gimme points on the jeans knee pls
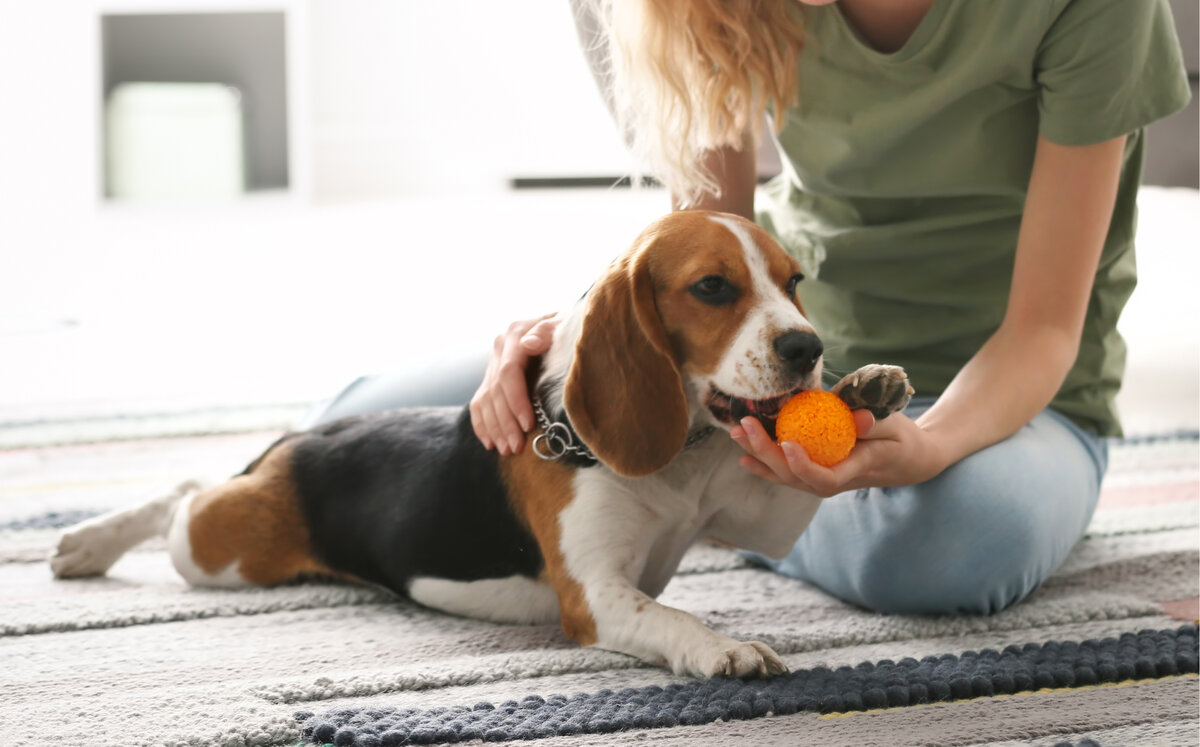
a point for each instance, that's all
(976, 539)
(966, 573)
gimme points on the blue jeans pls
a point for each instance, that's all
(975, 539)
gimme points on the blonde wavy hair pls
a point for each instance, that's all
(691, 76)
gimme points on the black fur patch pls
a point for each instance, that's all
(406, 493)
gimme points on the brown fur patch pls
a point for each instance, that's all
(540, 490)
(700, 334)
(643, 319)
(254, 520)
(781, 266)
(691, 246)
(635, 430)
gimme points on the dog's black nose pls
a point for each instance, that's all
(799, 350)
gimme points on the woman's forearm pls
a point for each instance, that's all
(1016, 374)
(1012, 378)
(736, 171)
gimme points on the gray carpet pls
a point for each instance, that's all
(137, 658)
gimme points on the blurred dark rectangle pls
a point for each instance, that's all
(1173, 148)
(591, 182)
(578, 182)
(246, 50)
(1173, 144)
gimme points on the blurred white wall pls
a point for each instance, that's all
(407, 120)
(389, 97)
(49, 126)
(424, 109)
(421, 97)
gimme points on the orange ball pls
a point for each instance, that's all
(820, 422)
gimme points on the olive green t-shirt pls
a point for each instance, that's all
(904, 176)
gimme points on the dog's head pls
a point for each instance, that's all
(697, 322)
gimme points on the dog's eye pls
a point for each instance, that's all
(714, 290)
(792, 282)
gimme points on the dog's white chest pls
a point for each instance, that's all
(660, 517)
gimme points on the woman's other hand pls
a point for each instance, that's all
(501, 413)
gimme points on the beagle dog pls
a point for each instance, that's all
(695, 326)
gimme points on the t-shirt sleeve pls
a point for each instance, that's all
(1106, 68)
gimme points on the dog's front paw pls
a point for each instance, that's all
(733, 659)
(880, 389)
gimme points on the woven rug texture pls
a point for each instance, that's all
(1104, 653)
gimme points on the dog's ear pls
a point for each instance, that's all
(624, 393)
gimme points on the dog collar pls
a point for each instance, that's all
(558, 439)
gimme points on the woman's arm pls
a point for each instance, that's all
(1019, 369)
(1017, 372)
(736, 171)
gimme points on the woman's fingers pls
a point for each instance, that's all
(537, 340)
(479, 424)
(757, 442)
(864, 421)
(514, 410)
(787, 464)
(501, 412)
(511, 436)
(817, 480)
(508, 397)
(480, 407)
(510, 403)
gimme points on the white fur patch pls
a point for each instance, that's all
(179, 546)
(622, 541)
(515, 599)
(558, 359)
(750, 367)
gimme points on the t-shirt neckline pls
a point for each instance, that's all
(915, 43)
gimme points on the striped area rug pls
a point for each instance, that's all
(1104, 653)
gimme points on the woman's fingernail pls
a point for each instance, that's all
(515, 444)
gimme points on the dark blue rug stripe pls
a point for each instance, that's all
(1144, 655)
(50, 520)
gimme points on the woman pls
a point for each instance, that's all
(959, 183)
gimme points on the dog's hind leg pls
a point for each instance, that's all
(91, 547)
(249, 531)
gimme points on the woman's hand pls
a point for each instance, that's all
(894, 451)
(500, 410)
